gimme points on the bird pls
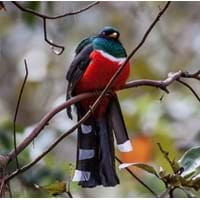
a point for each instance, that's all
(96, 59)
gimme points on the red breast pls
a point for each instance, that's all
(99, 72)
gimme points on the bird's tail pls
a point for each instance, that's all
(95, 154)
(95, 151)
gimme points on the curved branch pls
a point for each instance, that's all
(172, 77)
(53, 17)
(17, 109)
(43, 122)
(49, 42)
(190, 88)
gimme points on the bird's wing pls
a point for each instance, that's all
(83, 43)
(77, 69)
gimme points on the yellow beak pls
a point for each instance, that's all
(113, 35)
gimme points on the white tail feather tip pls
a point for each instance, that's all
(81, 176)
(125, 147)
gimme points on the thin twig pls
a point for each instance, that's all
(138, 179)
(166, 156)
(195, 75)
(191, 89)
(45, 17)
(49, 42)
(54, 17)
(69, 194)
(16, 111)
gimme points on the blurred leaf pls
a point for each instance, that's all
(53, 189)
(142, 152)
(190, 161)
(143, 166)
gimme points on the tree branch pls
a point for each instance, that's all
(138, 179)
(172, 77)
(50, 42)
(45, 17)
(16, 112)
(54, 17)
(190, 88)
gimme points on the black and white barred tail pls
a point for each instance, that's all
(95, 150)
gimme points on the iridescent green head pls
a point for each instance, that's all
(108, 41)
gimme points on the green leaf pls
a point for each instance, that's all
(190, 161)
(53, 189)
(143, 166)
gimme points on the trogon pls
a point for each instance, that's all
(96, 59)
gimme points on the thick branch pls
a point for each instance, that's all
(172, 77)
(44, 121)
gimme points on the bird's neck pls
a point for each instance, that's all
(111, 47)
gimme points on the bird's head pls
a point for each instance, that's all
(109, 32)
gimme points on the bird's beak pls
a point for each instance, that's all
(113, 35)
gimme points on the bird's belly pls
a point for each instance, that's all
(100, 71)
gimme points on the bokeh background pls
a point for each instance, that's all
(174, 44)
